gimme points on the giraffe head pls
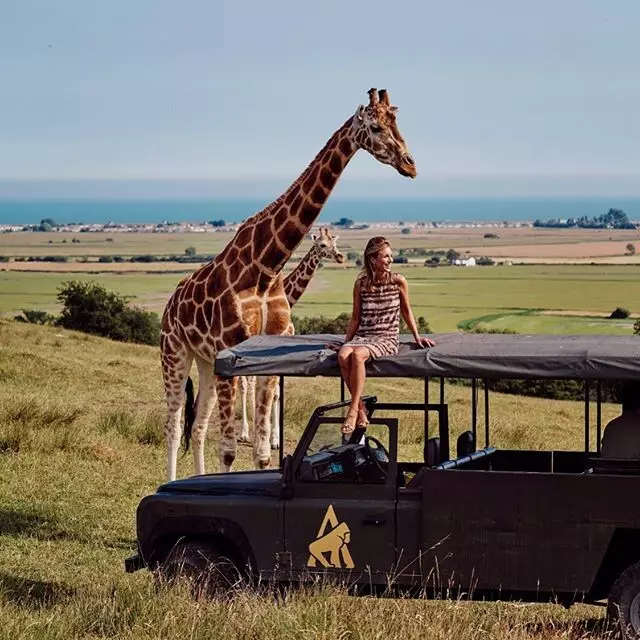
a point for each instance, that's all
(326, 246)
(376, 131)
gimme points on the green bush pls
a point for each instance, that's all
(34, 316)
(89, 307)
(339, 324)
(321, 324)
(619, 313)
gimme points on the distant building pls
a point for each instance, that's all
(465, 262)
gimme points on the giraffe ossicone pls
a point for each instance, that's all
(241, 293)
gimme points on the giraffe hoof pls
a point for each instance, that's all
(244, 439)
(263, 464)
(275, 446)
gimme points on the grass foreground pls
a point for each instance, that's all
(81, 442)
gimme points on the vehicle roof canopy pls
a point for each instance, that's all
(456, 355)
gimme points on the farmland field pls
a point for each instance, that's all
(518, 244)
(446, 296)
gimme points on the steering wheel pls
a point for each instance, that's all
(373, 450)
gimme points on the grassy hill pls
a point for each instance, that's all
(81, 442)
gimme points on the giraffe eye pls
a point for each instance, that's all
(376, 128)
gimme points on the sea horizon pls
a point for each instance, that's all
(466, 209)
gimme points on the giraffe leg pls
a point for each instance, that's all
(206, 403)
(174, 374)
(244, 384)
(251, 380)
(226, 388)
(265, 389)
(275, 419)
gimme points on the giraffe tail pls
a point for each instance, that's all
(189, 413)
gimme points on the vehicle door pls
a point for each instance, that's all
(340, 516)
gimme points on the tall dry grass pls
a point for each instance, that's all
(81, 443)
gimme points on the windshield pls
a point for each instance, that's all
(327, 436)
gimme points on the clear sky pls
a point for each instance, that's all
(495, 96)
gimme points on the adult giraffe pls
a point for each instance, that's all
(323, 247)
(240, 293)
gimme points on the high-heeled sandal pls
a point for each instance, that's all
(363, 420)
(349, 424)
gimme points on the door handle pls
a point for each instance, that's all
(373, 520)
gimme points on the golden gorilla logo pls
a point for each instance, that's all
(333, 538)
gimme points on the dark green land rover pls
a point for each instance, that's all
(480, 521)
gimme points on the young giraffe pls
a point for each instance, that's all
(295, 283)
(240, 293)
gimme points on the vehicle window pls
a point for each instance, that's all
(362, 459)
(326, 437)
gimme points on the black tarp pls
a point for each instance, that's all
(456, 355)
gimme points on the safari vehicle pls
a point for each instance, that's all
(487, 522)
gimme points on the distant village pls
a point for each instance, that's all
(217, 226)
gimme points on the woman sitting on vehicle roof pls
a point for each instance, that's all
(379, 297)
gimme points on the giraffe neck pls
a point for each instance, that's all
(282, 225)
(297, 281)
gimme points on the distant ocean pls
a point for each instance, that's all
(359, 210)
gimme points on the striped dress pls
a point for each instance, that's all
(379, 319)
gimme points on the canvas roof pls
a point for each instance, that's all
(456, 355)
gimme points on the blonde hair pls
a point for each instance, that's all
(368, 275)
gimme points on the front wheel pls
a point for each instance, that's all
(624, 603)
(207, 570)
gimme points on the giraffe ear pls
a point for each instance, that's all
(360, 112)
(335, 238)
(393, 109)
(314, 237)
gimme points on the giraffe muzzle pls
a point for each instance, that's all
(407, 166)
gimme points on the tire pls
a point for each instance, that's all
(623, 609)
(208, 571)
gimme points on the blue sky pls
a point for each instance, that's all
(499, 96)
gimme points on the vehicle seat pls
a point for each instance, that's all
(432, 452)
(466, 444)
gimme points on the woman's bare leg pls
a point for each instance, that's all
(345, 360)
(358, 374)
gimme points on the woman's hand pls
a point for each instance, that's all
(423, 343)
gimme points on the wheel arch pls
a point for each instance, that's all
(622, 552)
(222, 534)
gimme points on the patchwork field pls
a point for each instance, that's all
(519, 243)
(80, 444)
(541, 298)
(526, 298)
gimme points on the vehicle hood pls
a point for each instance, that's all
(267, 482)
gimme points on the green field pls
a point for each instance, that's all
(81, 442)
(446, 296)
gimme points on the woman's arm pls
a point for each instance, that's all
(407, 313)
